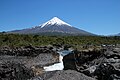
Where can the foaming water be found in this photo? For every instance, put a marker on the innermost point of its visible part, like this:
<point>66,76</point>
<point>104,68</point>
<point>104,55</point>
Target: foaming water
<point>57,66</point>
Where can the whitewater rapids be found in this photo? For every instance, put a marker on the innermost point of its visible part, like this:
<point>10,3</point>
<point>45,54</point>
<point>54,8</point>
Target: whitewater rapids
<point>57,66</point>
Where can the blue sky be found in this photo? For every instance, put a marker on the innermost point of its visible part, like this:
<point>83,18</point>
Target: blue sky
<point>96,16</point>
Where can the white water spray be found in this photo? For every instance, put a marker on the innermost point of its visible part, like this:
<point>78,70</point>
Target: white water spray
<point>57,66</point>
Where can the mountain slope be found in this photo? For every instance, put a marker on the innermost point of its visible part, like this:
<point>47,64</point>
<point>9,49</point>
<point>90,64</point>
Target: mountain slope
<point>116,34</point>
<point>53,26</point>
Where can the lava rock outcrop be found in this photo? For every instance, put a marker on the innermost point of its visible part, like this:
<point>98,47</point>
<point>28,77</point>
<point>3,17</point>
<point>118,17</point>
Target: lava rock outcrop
<point>101,64</point>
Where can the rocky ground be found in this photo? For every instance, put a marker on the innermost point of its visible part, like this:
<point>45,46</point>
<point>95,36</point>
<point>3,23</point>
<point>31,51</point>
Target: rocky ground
<point>26,63</point>
<point>101,64</point>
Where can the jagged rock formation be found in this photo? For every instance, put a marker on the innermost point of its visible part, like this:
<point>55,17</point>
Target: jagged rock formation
<point>102,64</point>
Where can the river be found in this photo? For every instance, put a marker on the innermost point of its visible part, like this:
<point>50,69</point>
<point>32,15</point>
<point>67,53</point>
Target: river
<point>58,66</point>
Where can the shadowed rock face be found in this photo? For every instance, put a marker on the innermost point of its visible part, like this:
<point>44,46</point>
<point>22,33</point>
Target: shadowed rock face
<point>79,58</point>
<point>103,65</point>
<point>14,71</point>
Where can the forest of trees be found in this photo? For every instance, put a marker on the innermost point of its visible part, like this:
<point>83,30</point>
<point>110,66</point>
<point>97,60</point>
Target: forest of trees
<point>17,40</point>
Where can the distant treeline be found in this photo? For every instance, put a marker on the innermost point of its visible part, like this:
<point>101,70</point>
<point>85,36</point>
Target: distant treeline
<point>17,40</point>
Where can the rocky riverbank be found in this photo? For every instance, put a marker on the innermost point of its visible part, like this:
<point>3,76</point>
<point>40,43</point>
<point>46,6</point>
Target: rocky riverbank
<point>103,64</point>
<point>27,63</point>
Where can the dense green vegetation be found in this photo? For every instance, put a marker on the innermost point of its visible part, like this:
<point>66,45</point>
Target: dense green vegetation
<point>36,40</point>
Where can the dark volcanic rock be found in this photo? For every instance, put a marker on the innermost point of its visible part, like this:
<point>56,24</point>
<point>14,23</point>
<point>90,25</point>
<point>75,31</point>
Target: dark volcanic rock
<point>36,78</point>
<point>14,71</point>
<point>102,64</point>
<point>29,55</point>
<point>25,51</point>
<point>30,58</point>
<point>107,72</point>
<point>69,75</point>
<point>80,58</point>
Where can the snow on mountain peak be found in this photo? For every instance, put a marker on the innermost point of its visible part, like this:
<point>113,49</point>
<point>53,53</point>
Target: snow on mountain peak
<point>56,21</point>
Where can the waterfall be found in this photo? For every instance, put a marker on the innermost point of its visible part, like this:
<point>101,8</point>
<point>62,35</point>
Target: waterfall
<point>57,66</point>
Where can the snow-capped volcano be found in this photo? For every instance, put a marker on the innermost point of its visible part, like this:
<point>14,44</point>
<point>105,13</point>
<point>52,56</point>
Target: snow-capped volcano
<point>55,26</point>
<point>55,21</point>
